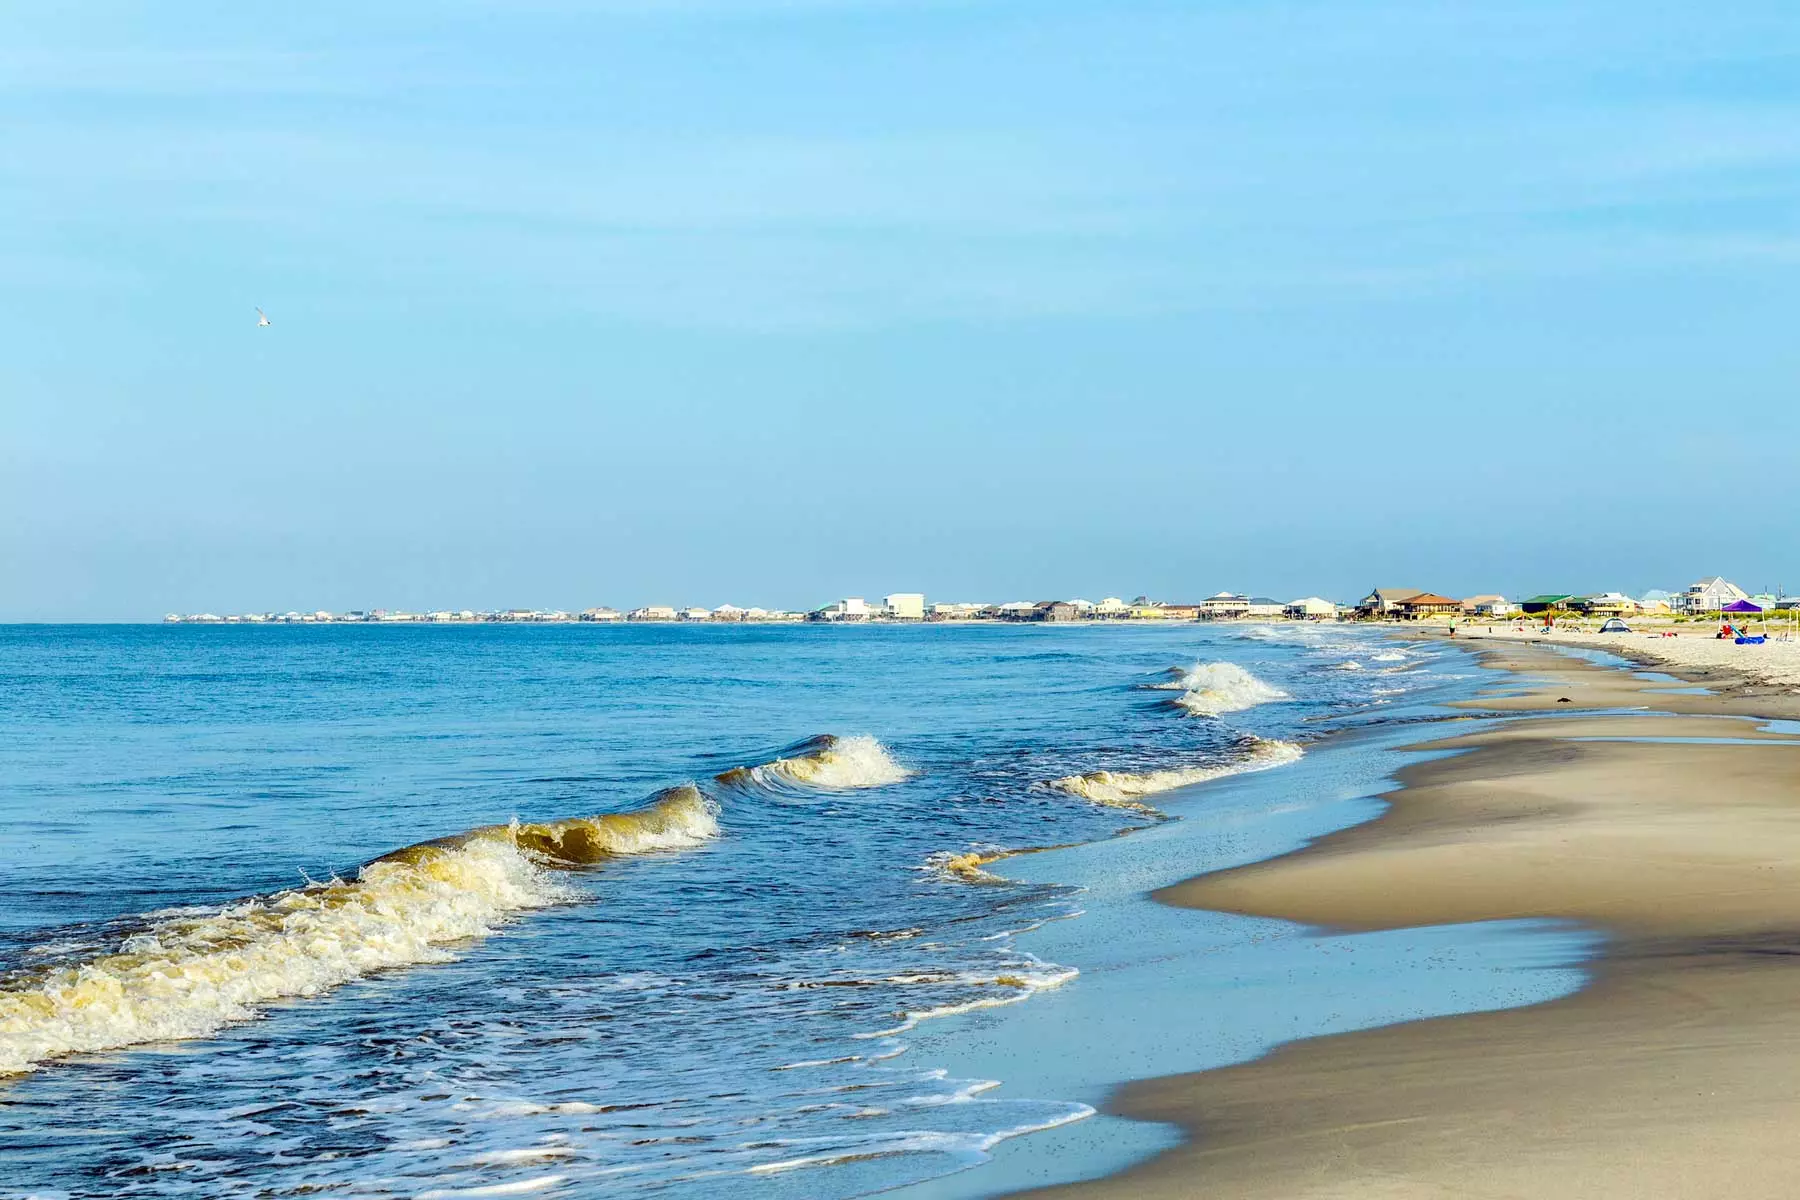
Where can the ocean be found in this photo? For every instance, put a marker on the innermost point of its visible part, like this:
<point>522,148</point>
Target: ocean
<point>591,910</point>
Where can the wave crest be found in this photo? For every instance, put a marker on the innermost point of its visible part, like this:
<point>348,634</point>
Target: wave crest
<point>191,973</point>
<point>1213,689</point>
<point>827,762</point>
<point>1120,789</point>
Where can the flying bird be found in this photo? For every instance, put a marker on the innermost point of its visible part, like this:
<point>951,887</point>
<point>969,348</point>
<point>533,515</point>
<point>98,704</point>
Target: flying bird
<point>262,319</point>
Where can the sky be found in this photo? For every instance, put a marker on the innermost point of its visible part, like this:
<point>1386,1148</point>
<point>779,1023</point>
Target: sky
<point>776,301</point>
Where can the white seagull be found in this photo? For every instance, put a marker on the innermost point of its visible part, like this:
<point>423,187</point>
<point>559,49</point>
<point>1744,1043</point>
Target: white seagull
<point>262,318</point>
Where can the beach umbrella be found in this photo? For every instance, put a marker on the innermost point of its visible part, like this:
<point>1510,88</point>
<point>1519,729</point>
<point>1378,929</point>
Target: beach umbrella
<point>1741,606</point>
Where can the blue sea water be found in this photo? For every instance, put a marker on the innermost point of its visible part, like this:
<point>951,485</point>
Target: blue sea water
<point>217,978</point>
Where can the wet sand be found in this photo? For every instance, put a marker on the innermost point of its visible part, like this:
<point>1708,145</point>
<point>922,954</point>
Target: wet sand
<point>1675,1073</point>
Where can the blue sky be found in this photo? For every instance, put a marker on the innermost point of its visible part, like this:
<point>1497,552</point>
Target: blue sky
<point>769,302</point>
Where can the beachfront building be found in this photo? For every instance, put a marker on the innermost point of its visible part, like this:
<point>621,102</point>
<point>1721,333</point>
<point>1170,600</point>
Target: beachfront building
<point>1110,608</point>
<point>1384,602</point>
<point>1428,604</point>
<point>1608,604</point>
<point>1012,610</point>
<point>851,608</point>
<point>1709,595</point>
<point>728,612</point>
<point>904,606</point>
<point>1224,605</point>
<point>651,612</point>
<point>956,611</point>
<point>1487,605</point>
<point>1181,612</point>
<point>1264,607</point>
<point>1312,608</point>
<point>1549,602</point>
<point>588,614</point>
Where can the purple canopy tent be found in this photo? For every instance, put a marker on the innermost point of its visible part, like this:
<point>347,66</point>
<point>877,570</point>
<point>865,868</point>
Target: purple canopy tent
<point>1739,608</point>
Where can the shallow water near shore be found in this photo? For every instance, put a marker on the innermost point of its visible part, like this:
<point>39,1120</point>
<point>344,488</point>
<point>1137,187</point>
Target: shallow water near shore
<point>1171,991</point>
<point>604,911</point>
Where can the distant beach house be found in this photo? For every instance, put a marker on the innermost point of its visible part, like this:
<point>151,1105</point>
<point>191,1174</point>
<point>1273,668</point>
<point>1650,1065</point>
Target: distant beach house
<point>1608,604</point>
<point>1055,610</point>
<point>1264,606</point>
<point>851,608</point>
<point>1489,605</point>
<point>1224,604</point>
<point>1181,612</point>
<point>1385,602</point>
<point>1709,595</point>
<point>1549,602</point>
<point>651,612</point>
<point>728,612</point>
<point>904,606</point>
<point>1111,608</point>
<point>587,614</point>
<point>1312,608</point>
<point>1428,604</point>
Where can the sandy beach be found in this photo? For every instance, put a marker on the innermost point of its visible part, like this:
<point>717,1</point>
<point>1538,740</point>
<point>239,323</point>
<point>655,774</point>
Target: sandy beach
<point>1665,820</point>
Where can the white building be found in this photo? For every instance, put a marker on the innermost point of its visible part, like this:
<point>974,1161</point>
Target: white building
<point>905,606</point>
<point>1309,609</point>
<point>1225,604</point>
<point>1708,595</point>
<point>851,608</point>
<point>1489,605</point>
<point>1112,608</point>
<point>600,614</point>
<point>651,612</point>
<point>1264,606</point>
<point>958,611</point>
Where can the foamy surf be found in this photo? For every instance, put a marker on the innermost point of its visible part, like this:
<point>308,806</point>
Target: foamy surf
<point>1027,978</point>
<point>1121,789</point>
<point>827,762</point>
<point>1213,689</point>
<point>190,973</point>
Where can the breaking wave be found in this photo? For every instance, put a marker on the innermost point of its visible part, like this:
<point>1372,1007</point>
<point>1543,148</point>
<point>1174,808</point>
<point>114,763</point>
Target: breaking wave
<point>828,762</point>
<point>1212,689</point>
<point>188,973</point>
<point>1121,789</point>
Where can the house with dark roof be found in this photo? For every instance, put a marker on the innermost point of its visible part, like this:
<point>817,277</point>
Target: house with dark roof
<point>1429,604</point>
<point>1384,602</point>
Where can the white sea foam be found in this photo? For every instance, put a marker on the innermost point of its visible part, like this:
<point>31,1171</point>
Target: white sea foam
<point>830,762</point>
<point>518,1187</point>
<point>1120,789</point>
<point>1010,986</point>
<point>190,975</point>
<point>1213,689</point>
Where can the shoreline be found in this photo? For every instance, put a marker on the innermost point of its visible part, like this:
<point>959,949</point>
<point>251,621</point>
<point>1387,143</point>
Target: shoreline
<point>1131,1013</point>
<point>1663,1075</point>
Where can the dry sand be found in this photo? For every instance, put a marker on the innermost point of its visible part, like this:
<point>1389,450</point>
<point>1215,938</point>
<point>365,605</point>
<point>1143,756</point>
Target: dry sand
<point>1675,1073</point>
<point>1682,646</point>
